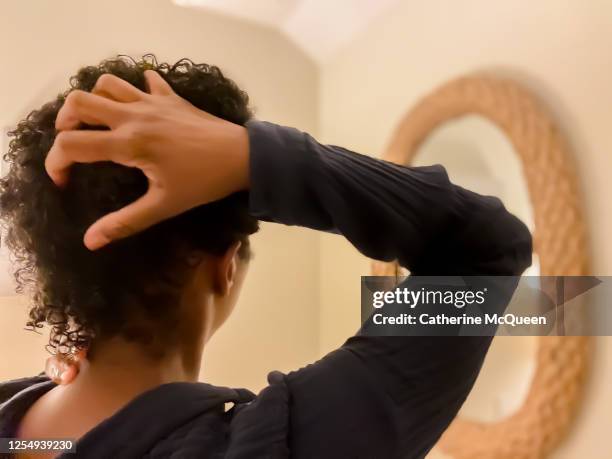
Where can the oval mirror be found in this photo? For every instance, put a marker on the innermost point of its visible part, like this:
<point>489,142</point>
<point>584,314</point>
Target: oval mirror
<point>478,156</point>
<point>495,138</point>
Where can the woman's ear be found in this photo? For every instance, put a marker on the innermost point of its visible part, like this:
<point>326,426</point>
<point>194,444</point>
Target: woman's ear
<point>226,270</point>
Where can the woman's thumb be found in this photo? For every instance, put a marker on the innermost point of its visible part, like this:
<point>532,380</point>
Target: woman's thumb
<point>129,220</point>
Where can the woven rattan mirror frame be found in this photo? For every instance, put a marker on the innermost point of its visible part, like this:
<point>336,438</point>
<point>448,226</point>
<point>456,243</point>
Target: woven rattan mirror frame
<point>541,422</point>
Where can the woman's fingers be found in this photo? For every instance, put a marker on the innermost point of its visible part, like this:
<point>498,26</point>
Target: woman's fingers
<point>115,88</point>
<point>81,147</point>
<point>172,142</point>
<point>83,107</point>
<point>156,85</point>
<point>131,219</point>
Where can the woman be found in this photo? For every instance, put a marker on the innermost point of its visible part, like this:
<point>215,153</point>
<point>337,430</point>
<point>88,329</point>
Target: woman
<point>168,155</point>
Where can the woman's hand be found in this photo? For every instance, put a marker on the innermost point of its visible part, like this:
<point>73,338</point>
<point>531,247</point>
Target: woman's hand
<point>189,156</point>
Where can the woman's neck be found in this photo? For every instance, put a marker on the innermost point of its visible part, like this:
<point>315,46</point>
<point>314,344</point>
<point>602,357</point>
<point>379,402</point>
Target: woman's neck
<point>120,363</point>
<point>118,373</point>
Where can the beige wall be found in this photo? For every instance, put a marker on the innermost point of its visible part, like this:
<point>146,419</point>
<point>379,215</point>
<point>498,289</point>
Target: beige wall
<point>43,42</point>
<point>561,50</point>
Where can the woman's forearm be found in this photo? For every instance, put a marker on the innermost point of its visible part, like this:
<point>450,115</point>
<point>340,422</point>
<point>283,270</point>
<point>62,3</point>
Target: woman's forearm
<point>387,211</point>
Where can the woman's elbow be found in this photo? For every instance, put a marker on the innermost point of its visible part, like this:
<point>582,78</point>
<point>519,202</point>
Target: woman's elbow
<point>514,243</point>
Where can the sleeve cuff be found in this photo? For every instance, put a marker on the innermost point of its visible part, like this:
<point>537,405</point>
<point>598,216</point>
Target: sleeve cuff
<point>275,154</point>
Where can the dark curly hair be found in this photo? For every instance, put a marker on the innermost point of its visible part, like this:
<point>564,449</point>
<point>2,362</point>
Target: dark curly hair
<point>129,288</point>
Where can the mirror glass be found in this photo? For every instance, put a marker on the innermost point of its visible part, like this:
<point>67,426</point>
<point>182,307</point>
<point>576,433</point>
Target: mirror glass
<point>478,156</point>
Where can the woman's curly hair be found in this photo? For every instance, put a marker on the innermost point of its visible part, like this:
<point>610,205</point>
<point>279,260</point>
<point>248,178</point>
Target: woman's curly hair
<point>131,287</point>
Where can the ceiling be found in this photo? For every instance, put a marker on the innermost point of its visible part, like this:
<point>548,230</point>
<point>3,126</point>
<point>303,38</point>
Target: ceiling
<point>319,27</point>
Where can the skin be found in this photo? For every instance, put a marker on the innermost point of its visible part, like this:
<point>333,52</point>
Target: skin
<point>175,145</point>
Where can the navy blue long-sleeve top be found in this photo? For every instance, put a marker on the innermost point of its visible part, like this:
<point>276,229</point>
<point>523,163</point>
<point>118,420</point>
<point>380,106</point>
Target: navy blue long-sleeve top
<point>375,397</point>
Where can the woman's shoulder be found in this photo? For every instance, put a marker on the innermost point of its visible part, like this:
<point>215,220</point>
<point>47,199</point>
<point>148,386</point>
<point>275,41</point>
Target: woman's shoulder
<point>9,389</point>
<point>16,397</point>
